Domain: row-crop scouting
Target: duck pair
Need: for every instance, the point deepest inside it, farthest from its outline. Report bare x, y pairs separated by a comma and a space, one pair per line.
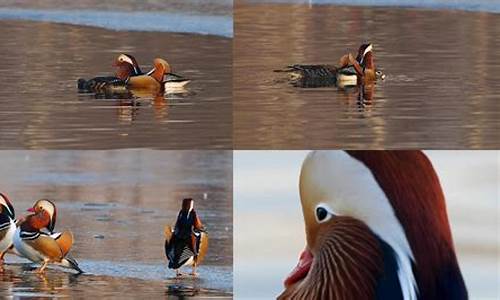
33, 236
350, 71
129, 75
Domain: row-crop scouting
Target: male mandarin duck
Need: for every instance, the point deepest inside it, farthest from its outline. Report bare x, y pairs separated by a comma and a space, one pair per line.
169, 80
7, 225
187, 244
129, 75
376, 228
35, 244
351, 71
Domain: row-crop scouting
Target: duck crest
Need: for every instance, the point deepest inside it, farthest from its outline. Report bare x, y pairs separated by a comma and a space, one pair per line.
6, 207
135, 65
412, 185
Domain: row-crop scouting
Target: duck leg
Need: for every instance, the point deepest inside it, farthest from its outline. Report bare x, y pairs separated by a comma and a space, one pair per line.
193, 272
41, 270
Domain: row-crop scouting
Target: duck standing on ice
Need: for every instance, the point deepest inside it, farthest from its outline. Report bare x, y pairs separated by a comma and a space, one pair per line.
187, 244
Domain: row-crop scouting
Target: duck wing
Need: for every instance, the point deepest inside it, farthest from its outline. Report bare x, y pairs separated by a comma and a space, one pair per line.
311, 71
46, 245
101, 83
171, 77
64, 240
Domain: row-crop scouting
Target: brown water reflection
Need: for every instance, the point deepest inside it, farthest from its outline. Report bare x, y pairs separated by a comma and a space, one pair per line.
441, 88
117, 203
42, 109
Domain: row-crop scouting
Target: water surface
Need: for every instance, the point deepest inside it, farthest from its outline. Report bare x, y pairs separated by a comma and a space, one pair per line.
117, 203
441, 88
41, 107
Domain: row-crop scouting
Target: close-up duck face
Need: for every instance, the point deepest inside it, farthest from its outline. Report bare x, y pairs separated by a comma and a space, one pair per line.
123, 59
337, 189
45, 206
6, 206
333, 184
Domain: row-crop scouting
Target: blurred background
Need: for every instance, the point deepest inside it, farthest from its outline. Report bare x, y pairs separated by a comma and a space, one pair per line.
269, 229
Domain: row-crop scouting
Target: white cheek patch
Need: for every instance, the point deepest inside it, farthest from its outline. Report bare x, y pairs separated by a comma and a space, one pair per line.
368, 49
129, 61
348, 188
3, 202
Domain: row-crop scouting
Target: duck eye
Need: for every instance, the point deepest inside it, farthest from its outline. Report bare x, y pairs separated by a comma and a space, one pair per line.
321, 214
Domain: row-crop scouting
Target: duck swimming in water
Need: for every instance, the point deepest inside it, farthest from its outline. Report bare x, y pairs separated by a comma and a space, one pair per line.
126, 66
187, 244
129, 75
350, 71
168, 79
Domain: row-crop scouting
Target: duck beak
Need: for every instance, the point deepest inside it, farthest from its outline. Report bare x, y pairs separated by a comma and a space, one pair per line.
302, 269
31, 210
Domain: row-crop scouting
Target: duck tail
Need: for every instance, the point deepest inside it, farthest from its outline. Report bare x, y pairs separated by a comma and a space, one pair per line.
70, 262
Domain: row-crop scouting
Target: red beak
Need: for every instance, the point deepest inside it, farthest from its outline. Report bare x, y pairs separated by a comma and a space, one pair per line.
300, 271
31, 209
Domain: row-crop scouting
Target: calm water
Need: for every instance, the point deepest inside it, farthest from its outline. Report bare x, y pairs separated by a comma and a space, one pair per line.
267, 212
117, 203
441, 89
42, 109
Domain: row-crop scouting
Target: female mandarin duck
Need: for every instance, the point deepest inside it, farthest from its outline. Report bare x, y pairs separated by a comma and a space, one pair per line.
7, 225
376, 228
351, 71
187, 244
38, 246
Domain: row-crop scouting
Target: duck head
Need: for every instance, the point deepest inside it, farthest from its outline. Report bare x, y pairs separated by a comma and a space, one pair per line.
362, 51
358, 203
44, 206
6, 206
126, 66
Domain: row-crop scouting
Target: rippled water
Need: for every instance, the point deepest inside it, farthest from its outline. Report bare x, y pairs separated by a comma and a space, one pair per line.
41, 108
117, 203
441, 88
